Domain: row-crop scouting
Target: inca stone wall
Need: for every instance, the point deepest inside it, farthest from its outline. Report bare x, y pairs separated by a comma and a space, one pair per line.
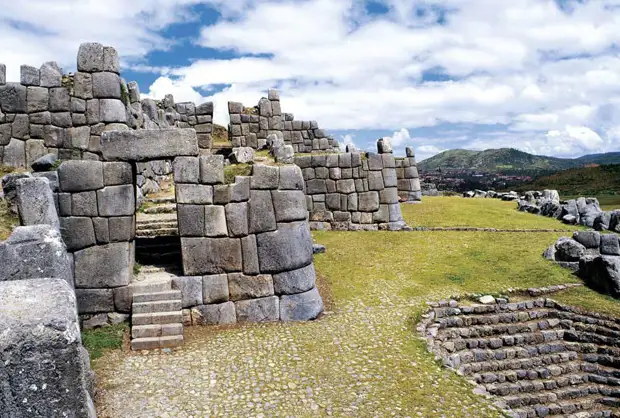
408, 178
65, 114
537, 358
252, 129
246, 246
352, 191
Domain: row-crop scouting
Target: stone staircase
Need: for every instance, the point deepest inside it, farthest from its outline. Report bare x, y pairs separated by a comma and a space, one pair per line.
538, 358
156, 225
156, 313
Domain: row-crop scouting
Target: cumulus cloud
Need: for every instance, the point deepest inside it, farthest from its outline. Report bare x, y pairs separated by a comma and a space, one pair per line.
400, 137
426, 151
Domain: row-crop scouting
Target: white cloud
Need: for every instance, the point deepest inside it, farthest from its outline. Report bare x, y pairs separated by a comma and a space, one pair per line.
426, 151
400, 137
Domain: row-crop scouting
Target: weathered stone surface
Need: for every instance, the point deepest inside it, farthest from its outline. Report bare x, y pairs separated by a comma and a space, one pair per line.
291, 178
44, 163
249, 287
204, 256
191, 219
368, 201
60, 100
20, 128
45, 368
110, 60
258, 310
115, 174
84, 204
92, 301
121, 228
83, 88
384, 145
76, 176
116, 201
77, 232
219, 314
589, 239
295, 281
237, 219
601, 273
29, 76
90, 57
104, 266
287, 248
265, 177
34, 252
609, 243
113, 111
215, 288
186, 170
106, 85
191, 290
13, 98
35, 202
261, 214
212, 169
196, 194
250, 255
15, 153
240, 189
569, 250
215, 221
289, 205
102, 230
38, 99
242, 155
301, 307
51, 75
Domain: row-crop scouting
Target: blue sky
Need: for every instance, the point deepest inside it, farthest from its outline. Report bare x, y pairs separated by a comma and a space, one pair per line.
539, 75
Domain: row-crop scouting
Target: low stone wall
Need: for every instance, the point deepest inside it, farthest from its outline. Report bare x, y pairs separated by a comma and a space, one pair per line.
536, 358
595, 257
253, 129
409, 189
246, 246
45, 369
352, 192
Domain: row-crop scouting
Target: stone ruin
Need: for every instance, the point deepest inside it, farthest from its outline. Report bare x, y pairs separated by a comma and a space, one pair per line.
535, 358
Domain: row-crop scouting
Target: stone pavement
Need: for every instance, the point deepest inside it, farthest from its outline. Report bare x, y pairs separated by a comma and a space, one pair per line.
359, 361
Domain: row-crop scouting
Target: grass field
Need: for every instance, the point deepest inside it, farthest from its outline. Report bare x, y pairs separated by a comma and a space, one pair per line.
364, 358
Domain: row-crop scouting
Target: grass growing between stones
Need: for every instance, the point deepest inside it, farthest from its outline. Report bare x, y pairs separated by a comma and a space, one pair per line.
98, 341
363, 358
479, 213
233, 170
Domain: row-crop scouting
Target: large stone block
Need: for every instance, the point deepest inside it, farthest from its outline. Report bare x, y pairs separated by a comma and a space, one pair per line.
90, 57
77, 176
106, 85
316, 186
243, 287
289, 205
291, 178
83, 87
191, 290
115, 174
45, 369
261, 215
215, 221
91, 301
301, 307
35, 202
240, 189
258, 310
237, 219
84, 204
212, 169
38, 99
34, 252
219, 314
20, 128
295, 281
51, 74
250, 255
77, 232
215, 288
13, 98
265, 177
104, 266
204, 256
609, 243
186, 170
110, 60
15, 153
191, 219
113, 111
116, 201
122, 228
287, 248
368, 201
601, 273
194, 194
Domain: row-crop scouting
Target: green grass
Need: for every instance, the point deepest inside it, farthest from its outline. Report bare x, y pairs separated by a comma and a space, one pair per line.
233, 170
479, 213
98, 341
607, 202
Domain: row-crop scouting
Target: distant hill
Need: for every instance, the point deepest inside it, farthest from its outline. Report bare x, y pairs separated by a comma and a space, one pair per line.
509, 160
585, 181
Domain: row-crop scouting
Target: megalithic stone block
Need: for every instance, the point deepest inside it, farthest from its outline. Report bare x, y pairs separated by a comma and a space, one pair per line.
35, 202
143, 145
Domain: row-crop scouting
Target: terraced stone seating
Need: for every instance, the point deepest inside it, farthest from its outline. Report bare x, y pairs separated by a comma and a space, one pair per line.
538, 358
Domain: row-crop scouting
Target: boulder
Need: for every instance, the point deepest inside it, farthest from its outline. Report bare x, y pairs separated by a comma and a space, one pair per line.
569, 219
589, 239
569, 249
35, 202
552, 195
610, 244
614, 220
45, 163
35, 251
602, 273
601, 223
384, 146
284, 154
45, 369
242, 155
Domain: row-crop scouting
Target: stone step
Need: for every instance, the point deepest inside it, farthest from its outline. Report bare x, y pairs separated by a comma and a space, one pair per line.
482, 331
597, 329
157, 296
152, 286
156, 306
157, 318
601, 370
494, 318
534, 371
478, 355
538, 385
588, 339
497, 342
162, 232
589, 320
518, 364
164, 208
151, 343
548, 397
478, 309
588, 405
156, 330
158, 200
148, 225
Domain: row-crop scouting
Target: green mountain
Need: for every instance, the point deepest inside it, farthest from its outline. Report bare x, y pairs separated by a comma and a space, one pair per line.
584, 181
509, 160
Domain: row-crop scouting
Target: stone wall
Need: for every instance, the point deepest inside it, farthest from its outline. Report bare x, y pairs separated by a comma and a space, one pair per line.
252, 127
595, 257
352, 191
65, 114
247, 250
409, 189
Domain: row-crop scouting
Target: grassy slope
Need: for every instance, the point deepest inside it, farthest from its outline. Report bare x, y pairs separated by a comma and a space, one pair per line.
378, 283
480, 213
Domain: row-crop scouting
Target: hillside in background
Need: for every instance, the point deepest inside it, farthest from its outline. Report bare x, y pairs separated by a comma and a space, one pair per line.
586, 181
509, 160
